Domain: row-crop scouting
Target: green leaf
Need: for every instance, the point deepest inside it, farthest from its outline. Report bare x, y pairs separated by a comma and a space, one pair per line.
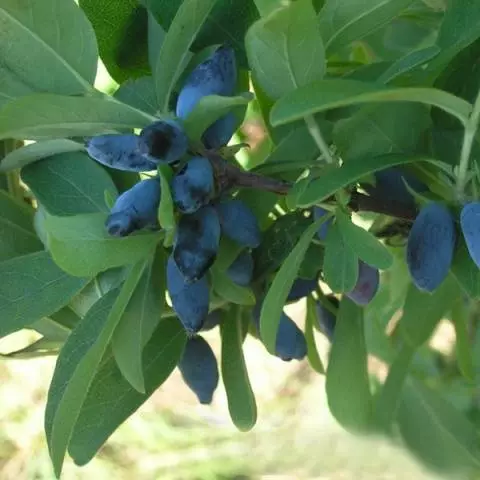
312, 352
365, 245
340, 265
156, 35
373, 130
173, 54
465, 272
265, 7
422, 311
116, 23
69, 184
347, 384
463, 345
70, 383
28, 154
17, 236
332, 180
229, 290
81, 246
42, 347
390, 396
227, 23
409, 62
11, 86
102, 413
436, 433
139, 93
275, 299
43, 116
240, 396
325, 95
49, 45
343, 22
208, 110
277, 49
166, 209
139, 321
33, 287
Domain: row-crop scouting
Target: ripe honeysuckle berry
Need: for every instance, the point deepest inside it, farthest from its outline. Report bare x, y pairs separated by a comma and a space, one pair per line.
193, 186
120, 152
163, 141
215, 76
239, 223
319, 212
241, 270
189, 300
196, 243
366, 286
301, 288
135, 209
213, 319
470, 224
199, 369
290, 343
430, 246
326, 319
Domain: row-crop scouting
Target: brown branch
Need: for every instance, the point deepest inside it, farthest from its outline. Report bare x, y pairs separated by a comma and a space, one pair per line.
364, 203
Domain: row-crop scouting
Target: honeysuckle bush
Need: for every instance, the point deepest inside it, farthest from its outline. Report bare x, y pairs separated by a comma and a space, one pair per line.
363, 199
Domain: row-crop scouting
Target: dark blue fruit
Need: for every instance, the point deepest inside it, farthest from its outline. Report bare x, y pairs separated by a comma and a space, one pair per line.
241, 270
326, 319
239, 223
216, 76
199, 369
390, 185
366, 286
319, 212
196, 243
290, 343
190, 301
120, 152
193, 186
213, 319
301, 288
430, 246
470, 224
135, 209
163, 142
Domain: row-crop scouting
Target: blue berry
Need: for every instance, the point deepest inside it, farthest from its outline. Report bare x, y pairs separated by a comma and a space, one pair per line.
290, 343
189, 300
163, 141
120, 152
301, 288
319, 212
196, 243
241, 270
193, 186
215, 76
239, 223
213, 319
199, 369
135, 209
470, 224
366, 286
326, 319
430, 246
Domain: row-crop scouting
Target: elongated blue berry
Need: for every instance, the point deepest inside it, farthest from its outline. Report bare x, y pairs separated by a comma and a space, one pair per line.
189, 300
199, 369
319, 212
213, 319
239, 223
215, 76
430, 246
290, 343
135, 209
326, 319
163, 141
470, 224
301, 288
120, 152
193, 186
241, 270
196, 243
366, 286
